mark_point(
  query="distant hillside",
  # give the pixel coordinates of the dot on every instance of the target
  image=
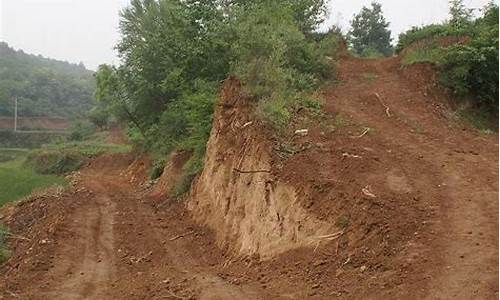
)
(44, 87)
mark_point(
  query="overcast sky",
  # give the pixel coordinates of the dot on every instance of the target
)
(87, 30)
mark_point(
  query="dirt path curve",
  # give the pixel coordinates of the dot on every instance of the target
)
(88, 262)
(116, 247)
(457, 173)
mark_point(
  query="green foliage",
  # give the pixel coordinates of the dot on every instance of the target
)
(342, 222)
(420, 33)
(4, 252)
(54, 162)
(275, 111)
(80, 131)
(66, 156)
(467, 69)
(276, 61)
(10, 139)
(157, 169)
(99, 116)
(423, 55)
(371, 52)
(18, 180)
(44, 87)
(175, 54)
(460, 15)
(370, 34)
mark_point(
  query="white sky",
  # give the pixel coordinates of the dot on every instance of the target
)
(87, 30)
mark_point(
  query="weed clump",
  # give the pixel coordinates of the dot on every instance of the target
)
(4, 252)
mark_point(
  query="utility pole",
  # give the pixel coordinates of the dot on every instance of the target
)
(15, 115)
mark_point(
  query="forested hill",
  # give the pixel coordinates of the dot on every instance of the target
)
(43, 86)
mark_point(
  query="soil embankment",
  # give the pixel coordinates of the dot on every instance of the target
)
(396, 199)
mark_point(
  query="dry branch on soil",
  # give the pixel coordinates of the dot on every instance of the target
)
(15, 237)
(252, 171)
(387, 110)
(361, 135)
(172, 295)
(328, 237)
(182, 235)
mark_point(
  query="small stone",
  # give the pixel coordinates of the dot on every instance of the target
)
(363, 268)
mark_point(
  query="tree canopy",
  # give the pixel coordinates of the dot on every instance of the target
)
(175, 53)
(369, 34)
(44, 87)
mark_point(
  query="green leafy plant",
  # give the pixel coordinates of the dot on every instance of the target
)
(4, 252)
(370, 35)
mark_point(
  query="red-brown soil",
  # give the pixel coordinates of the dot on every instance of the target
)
(416, 197)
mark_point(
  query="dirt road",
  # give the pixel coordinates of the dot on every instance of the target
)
(417, 191)
(455, 168)
(117, 247)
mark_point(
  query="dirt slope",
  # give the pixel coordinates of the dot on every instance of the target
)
(453, 169)
(415, 197)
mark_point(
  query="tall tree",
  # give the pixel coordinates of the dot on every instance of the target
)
(460, 15)
(369, 32)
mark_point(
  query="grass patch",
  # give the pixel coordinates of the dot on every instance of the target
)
(423, 55)
(60, 158)
(342, 222)
(4, 252)
(369, 76)
(482, 119)
(18, 180)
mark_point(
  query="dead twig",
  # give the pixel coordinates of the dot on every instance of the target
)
(251, 171)
(182, 235)
(361, 135)
(246, 124)
(330, 236)
(387, 110)
(174, 295)
(367, 192)
(12, 294)
(14, 236)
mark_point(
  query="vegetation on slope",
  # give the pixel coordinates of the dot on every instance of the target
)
(69, 153)
(17, 179)
(469, 65)
(44, 87)
(175, 54)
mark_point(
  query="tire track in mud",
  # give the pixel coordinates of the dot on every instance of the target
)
(88, 262)
(93, 263)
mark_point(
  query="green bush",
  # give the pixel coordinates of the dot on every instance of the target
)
(54, 162)
(157, 169)
(175, 54)
(371, 52)
(275, 111)
(81, 130)
(10, 139)
(420, 33)
(277, 62)
(424, 54)
(4, 252)
(469, 69)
